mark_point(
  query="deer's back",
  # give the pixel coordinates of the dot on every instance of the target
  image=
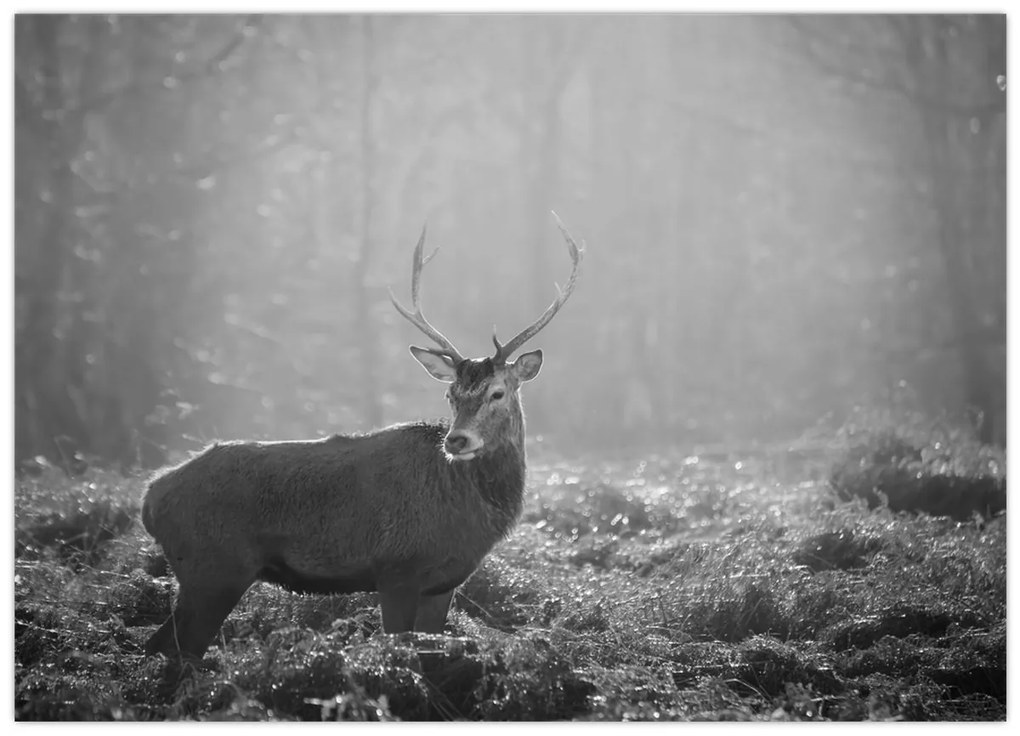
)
(267, 476)
(323, 504)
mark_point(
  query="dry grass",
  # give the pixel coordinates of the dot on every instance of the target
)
(662, 589)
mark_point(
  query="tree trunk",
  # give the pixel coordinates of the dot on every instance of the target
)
(371, 403)
(44, 408)
(956, 207)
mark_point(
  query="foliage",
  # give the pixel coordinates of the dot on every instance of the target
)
(72, 519)
(914, 465)
(665, 589)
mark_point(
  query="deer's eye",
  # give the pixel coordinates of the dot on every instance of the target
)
(496, 395)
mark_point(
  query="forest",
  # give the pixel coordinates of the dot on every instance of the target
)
(767, 444)
(787, 217)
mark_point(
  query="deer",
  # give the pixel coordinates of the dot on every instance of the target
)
(408, 511)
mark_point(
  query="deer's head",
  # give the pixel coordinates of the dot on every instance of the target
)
(484, 392)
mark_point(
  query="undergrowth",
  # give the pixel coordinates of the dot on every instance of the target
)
(671, 588)
(914, 464)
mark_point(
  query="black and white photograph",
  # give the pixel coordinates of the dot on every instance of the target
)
(508, 365)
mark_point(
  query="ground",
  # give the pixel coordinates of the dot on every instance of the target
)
(722, 585)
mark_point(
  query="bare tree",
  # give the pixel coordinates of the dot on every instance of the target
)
(951, 71)
(70, 73)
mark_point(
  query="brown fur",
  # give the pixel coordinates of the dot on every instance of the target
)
(386, 511)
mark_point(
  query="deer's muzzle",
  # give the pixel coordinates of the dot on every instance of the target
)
(462, 444)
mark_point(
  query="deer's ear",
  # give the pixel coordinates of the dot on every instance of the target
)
(439, 366)
(527, 365)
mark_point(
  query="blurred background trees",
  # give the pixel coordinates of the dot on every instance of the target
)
(785, 217)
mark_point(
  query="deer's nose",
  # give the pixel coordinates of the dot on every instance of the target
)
(462, 445)
(456, 443)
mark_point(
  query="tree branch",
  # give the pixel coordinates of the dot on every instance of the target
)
(206, 69)
(265, 148)
(906, 30)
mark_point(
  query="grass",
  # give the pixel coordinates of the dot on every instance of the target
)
(666, 588)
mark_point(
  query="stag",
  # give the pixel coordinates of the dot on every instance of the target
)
(408, 511)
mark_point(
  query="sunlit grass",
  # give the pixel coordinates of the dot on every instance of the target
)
(664, 588)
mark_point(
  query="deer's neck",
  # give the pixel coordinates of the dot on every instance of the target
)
(498, 478)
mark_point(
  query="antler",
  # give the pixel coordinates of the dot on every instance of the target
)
(505, 351)
(416, 318)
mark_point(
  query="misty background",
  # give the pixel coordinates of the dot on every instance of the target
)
(785, 217)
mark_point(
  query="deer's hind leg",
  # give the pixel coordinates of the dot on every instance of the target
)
(197, 617)
(205, 597)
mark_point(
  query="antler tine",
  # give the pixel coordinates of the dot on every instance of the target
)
(576, 254)
(416, 317)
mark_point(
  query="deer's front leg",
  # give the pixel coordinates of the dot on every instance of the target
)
(432, 611)
(399, 602)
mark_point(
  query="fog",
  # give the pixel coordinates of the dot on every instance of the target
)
(784, 218)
